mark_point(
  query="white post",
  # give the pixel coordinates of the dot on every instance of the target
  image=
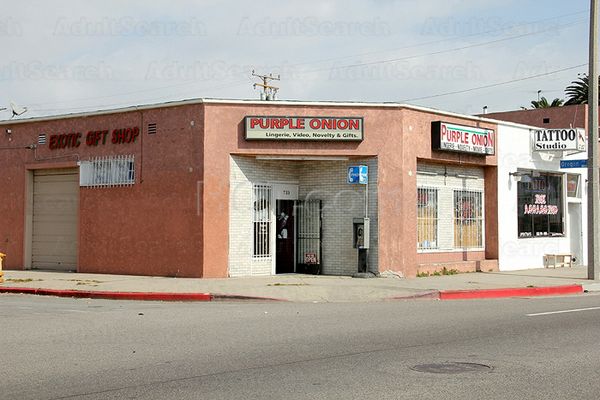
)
(593, 173)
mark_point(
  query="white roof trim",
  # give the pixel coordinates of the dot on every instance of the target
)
(256, 102)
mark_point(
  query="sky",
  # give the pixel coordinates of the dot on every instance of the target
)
(61, 56)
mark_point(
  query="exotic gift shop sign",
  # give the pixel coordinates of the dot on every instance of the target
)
(93, 138)
(460, 138)
(304, 128)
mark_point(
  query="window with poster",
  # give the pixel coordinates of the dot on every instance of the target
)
(573, 185)
(427, 218)
(468, 219)
(540, 205)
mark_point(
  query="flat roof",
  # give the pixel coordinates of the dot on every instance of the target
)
(255, 102)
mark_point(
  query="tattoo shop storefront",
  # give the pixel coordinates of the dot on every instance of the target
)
(542, 190)
(217, 188)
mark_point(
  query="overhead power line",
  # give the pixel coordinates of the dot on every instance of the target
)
(495, 84)
(440, 51)
(187, 83)
(422, 44)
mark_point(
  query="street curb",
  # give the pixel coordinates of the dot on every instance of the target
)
(145, 296)
(430, 295)
(234, 297)
(591, 287)
(509, 292)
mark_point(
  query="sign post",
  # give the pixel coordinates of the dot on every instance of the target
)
(359, 174)
(593, 173)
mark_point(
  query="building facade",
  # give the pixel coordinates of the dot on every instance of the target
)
(217, 188)
(542, 196)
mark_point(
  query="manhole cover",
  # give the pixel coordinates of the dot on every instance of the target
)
(451, 368)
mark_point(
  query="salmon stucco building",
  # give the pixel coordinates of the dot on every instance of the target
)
(218, 188)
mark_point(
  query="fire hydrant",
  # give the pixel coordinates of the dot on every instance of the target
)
(2, 255)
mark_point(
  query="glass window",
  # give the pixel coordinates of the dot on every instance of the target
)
(573, 185)
(107, 171)
(427, 218)
(540, 206)
(468, 219)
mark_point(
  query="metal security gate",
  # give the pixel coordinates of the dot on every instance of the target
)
(308, 237)
(55, 219)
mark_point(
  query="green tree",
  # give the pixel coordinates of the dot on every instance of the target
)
(577, 92)
(543, 103)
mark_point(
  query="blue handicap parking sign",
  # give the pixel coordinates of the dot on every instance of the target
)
(358, 174)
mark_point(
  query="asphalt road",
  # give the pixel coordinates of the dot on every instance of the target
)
(53, 348)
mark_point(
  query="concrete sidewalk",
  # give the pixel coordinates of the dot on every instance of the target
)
(303, 288)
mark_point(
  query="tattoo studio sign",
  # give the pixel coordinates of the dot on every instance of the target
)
(559, 139)
(304, 128)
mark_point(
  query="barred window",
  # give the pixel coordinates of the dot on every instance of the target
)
(107, 171)
(427, 218)
(261, 218)
(468, 219)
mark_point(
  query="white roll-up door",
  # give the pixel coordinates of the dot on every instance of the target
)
(55, 219)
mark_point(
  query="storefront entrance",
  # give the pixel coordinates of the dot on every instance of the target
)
(298, 236)
(575, 232)
(296, 216)
(284, 237)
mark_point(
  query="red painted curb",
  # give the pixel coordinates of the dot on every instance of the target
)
(98, 294)
(509, 292)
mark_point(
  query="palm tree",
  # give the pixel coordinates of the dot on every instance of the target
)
(577, 93)
(543, 103)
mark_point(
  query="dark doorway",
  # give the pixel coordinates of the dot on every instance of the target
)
(284, 257)
(309, 233)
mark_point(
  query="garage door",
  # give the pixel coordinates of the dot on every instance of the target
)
(55, 221)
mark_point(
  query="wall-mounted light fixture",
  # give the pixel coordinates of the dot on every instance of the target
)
(524, 176)
(518, 175)
(8, 131)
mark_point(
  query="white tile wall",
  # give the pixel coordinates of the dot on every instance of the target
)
(244, 172)
(324, 180)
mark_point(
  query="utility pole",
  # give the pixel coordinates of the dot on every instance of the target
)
(269, 92)
(593, 173)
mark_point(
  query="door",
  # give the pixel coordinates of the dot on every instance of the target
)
(55, 219)
(308, 254)
(284, 237)
(575, 232)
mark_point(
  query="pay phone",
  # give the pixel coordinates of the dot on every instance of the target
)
(361, 233)
(361, 241)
